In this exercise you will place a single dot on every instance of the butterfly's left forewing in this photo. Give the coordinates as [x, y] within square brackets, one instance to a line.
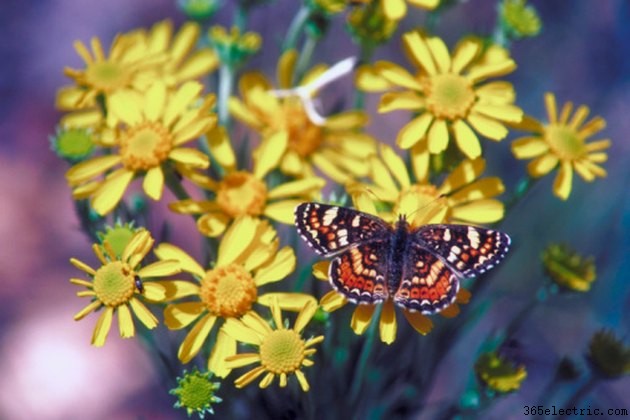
[329, 230]
[468, 250]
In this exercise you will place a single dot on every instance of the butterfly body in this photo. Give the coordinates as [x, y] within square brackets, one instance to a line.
[419, 268]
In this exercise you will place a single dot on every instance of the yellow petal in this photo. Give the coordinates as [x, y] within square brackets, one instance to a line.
[420, 160]
[240, 332]
[479, 211]
[417, 49]
[397, 75]
[298, 373]
[349, 120]
[529, 147]
[381, 175]
[198, 63]
[361, 318]
[248, 377]
[236, 240]
[213, 224]
[153, 183]
[286, 68]
[126, 106]
[292, 164]
[450, 311]
[243, 113]
[286, 301]
[281, 266]
[592, 127]
[395, 101]
[369, 79]
[180, 315]
[196, 338]
[143, 314]
[497, 92]
[160, 269]
[584, 171]
[483, 188]
[492, 129]
[306, 314]
[282, 211]
[440, 53]
[329, 169]
[419, 322]
[242, 359]
[190, 157]
[125, 322]
[550, 104]
[269, 153]
[84, 171]
[394, 9]
[102, 327]
[396, 166]
[94, 305]
[193, 206]
[566, 110]
[507, 113]
[181, 100]
[542, 165]
[332, 301]
[465, 173]
[154, 101]
[185, 131]
[176, 289]
[111, 191]
[154, 291]
[320, 270]
[438, 137]
[500, 68]
[224, 347]
[598, 145]
[562, 183]
[221, 148]
[387, 324]
[303, 187]
[465, 52]
[413, 131]
[466, 139]
[166, 251]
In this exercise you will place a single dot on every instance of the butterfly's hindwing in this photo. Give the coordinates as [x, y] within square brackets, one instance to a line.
[359, 273]
[332, 229]
[468, 250]
[427, 284]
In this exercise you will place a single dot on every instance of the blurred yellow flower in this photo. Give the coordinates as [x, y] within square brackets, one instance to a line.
[153, 130]
[248, 258]
[291, 140]
[498, 373]
[240, 193]
[568, 268]
[281, 351]
[448, 93]
[113, 286]
[397, 9]
[463, 197]
[563, 143]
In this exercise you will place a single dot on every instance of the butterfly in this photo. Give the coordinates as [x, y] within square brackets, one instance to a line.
[419, 268]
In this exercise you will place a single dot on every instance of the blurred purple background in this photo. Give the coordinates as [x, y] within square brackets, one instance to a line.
[49, 370]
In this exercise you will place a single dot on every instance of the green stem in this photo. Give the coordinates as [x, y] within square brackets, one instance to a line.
[226, 82]
[522, 188]
[295, 28]
[357, 381]
[174, 184]
[240, 18]
[365, 55]
[305, 57]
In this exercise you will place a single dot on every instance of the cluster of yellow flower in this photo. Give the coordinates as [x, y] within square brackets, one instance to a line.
[142, 105]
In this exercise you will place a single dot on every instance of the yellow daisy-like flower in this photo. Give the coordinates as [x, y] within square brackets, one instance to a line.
[563, 143]
[248, 258]
[448, 93]
[290, 139]
[113, 287]
[463, 197]
[498, 373]
[281, 351]
[397, 9]
[243, 193]
[569, 269]
[153, 131]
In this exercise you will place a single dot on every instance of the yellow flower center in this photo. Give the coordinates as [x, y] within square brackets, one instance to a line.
[228, 291]
[449, 96]
[241, 193]
[107, 76]
[114, 283]
[145, 146]
[564, 141]
[304, 136]
[282, 351]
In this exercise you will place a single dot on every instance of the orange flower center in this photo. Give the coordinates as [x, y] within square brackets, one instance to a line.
[107, 76]
[564, 141]
[228, 291]
[304, 136]
[421, 203]
[145, 146]
[241, 193]
[449, 96]
[282, 351]
[114, 283]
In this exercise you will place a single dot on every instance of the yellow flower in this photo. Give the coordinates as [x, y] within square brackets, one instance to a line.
[290, 139]
[196, 392]
[233, 47]
[463, 197]
[563, 143]
[242, 193]
[519, 19]
[499, 374]
[448, 93]
[153, 131]
[116, 283]
[369, 25]
[397, 9]
[568, 268]
[248, 258]
[281, 351]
